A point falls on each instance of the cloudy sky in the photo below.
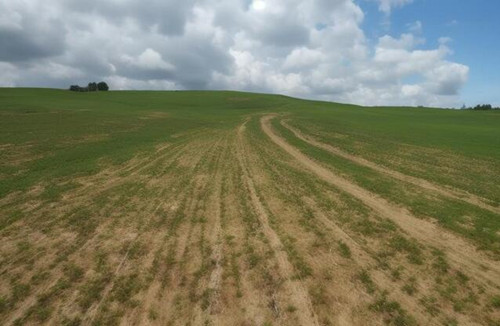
(372, 52)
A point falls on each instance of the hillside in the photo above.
(230, 208)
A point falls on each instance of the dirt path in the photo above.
(454, 194)
(461, 253)
(298, 293)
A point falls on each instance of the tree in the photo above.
(102, 86)
(483, 107)
(92, 87)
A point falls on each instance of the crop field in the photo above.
(228, 208)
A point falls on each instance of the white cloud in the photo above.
(307, 48)
(150, 59)
(302, 58)
(386, 6)
(415, 27)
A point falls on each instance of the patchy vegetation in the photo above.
(209, 208)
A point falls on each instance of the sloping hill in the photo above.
(229, 208)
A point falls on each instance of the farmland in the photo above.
(228, 208)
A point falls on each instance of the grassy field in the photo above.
(228, 208)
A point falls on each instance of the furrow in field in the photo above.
(93, 311)
(345, 297)
(110, 227)
(194, 174)
(298, 294)
(163, 263)
(186, 258)
(425, 184)
(144, 232)
(76, 201)
(461, 253)
(244, 296)
(216, 243)
(206, 266)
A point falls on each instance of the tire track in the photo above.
(214, 282)
(461, 253)
(453, 194)
(298, 293)
(362, 257)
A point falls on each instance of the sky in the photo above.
(442, 53)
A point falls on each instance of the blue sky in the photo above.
(473, 26)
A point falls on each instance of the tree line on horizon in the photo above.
(91, 87)
(481, 107)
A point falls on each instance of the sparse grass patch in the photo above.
(19, 291)
(318, 294)
(303, 269)
(396, 273)
(495, 301)
(152, 314)
(393, 313)
(108, 316)
(91, 290)
(401, 244)
(4, 304)
(54, 191)
(73, 272)
(431, 305)
(410, 287)
(11, 218)
(450, 322)
(344, 249)
(125, 287)
(440, 263)
(68, 321)
(367, 281)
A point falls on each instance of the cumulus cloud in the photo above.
(307, 48)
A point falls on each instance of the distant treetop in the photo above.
(91, 87)
(102, 86)
(481, 107)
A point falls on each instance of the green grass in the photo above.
(49, 138)
(54, 134)
(59, 134)
(468, 220)
(446, 142)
